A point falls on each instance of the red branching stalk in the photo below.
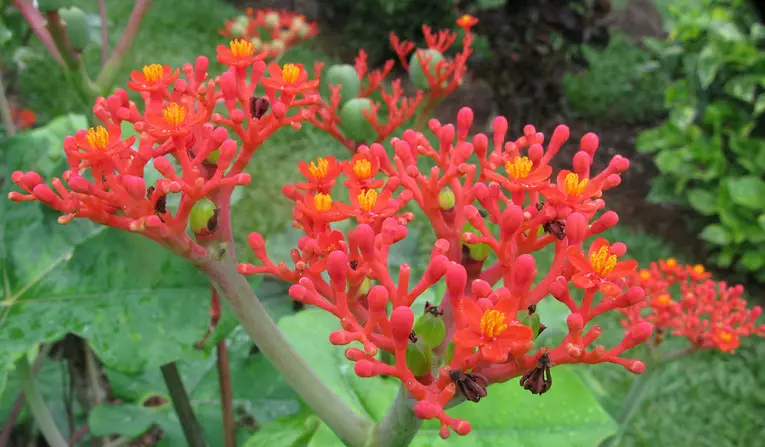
(111, 66)
(682, 301)
(37, 23)
(346, 273)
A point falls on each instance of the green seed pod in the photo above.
(344, 75)
(531, 321)
(449, 354)
(416, 72)
(430, 329)
(76, 23)
(200, 216)
(446, 199)
(366, 284)
(46, 6)
(240, 25)
(478, 252)
(419, 358)
(353, 123)
(213, 157)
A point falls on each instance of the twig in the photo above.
(191, 428)
(37, 406)
(5, 110)
(79, 434)
(18, 405)
(109, 71)
(226, 398)
(37, 24)
(104, 32)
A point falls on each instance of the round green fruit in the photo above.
(200, 216)
(344, 75)
(353, 123)
(416, 72)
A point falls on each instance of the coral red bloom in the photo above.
(321, 174)
(494, 331)
(600, 268)
(466, 22)
(726, 339)
(327, 243)
(361, 171)
(367, 205)
(321, 207)
(173, 120)
(23, 118)
(238, 53)
(152, 78)
(573, 191)
(522, 175)
(292, 78)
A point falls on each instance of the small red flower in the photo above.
(573, 191)
(361, 171)
(328, 242)
(466, 22)
(239, 53)
(153, 78)
(495, 331)
(173, 120)
(321, 174)
(601, 269)
(291, 79)
(522, 175)
(726, 339)
(23, 118)
(367, 205)
(321, 207)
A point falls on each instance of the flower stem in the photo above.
(37, 406)
(226, 399)
(191, 428)
(37, 24)
(400, 425)
(346, 423)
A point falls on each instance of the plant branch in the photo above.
(112, 64)
(104, 32)
(37, 24)
(348, 425)
(226, 398)
(191, 428)
(400, 425)
(37, 406)
(60, 39)
(5, 110)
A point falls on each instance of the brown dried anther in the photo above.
(413, 337)
(538, 380)
(471, 385)
(258, 106)
(436, 311)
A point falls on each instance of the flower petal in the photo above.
(623, 268)
(508, 307)
(467, 339)
(610, 289)
(583, 280)
(577, 259)
(471, 313)
(516, 333)
(494, 352)
(597, 244)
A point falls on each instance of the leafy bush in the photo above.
(711, 151)
(621, 84)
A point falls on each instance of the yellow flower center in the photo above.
(241, 48)
(726, 336)
(573, 185)
(174, 114)
(493, 323)
(645, 275)
(322, 202)
(318, 168)
(152, 73)
(290, 73)
(602, 262)
(367, 199)
(98, 138)
(519, 168)
(362, 168)
(663, 300)
(671, 262)
(698, 269)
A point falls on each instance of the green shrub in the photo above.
(711, 150)
(621, 84)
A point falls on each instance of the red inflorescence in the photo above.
(683, 301)
(178, 133)
(271, 32)
(483, 331)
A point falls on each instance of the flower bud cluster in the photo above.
(284, 29)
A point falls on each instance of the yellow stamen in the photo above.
(573, 185)
(322, 202)
(174, 114)
(152, 73)
(725, 336)
(663, 300)
(241, 47)
(318, 168)
(698, 269)
(290, 73)
(367, 199)
(671, 262)
(464, 20)
(519, 168)
(362, 168)
(98, 138)
(493, 323)
(602, 262)
(645, 275)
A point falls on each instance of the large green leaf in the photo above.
(748, 191)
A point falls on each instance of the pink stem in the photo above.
(37, 23)
(106, 78)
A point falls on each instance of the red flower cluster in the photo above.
(23, 118)
(185, 141)
(684, 300)
(483, 331)
(285, 29)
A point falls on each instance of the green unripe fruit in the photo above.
(200, 216)
(478, 252)
(416, 72)
(431, 330)
(531, 321)
(446, 199)
(353, 123)
(366, 284)
(419, 358)
(213, 157)
(46, 6)
(240, 25)
(345, 76)
(76, 23)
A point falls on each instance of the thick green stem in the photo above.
(349, 426)
(400, 425)
(37, 406)
(191, 429)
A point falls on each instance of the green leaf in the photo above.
(753, 259)
(747, 191)
(287, 432)
(709, 63)
(761, 221)
(715, 234)
(567, 415)
(703, 201)
(121, 419)
(742, 87)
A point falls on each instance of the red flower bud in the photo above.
(135, 186)
(337, 267)
(364, 368)
(456, 279)
(560, 135)
(480, 288)
(589, 143)
(401, 323)
(638, 334)
(377, 298)
(464, 121)
(576, 228)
